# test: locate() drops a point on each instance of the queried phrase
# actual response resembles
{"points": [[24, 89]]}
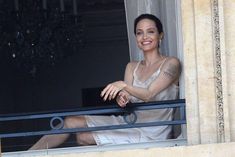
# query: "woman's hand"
{"points": [[111, 90], [123, 98]]}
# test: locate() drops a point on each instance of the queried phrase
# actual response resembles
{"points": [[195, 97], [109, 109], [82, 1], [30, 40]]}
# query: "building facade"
{"points": [[209, 83]]}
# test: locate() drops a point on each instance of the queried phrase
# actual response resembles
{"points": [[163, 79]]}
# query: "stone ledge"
{"points": [[95, 149]]}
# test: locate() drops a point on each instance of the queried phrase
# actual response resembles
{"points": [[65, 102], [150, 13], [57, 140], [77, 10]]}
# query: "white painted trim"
{"points": [[85, 149]]}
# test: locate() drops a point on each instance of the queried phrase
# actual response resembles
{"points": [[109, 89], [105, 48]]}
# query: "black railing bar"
{"points": [[180, 101], [111, 127], [152, 106], [49, 115], [92, 111], [182, 113]]}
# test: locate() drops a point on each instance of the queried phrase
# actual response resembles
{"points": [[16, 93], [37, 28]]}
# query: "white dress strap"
{"points": [[162, 63], [136, 67]]}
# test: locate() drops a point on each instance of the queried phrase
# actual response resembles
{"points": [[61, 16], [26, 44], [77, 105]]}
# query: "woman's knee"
{"points": [[74, 122], [85, 139]]}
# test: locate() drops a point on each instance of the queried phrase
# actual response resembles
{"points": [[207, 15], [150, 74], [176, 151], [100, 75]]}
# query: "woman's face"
{"points": [[147, 35]]}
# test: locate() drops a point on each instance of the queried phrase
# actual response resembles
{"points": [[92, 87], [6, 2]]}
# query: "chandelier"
{"points": [[37, 34]]}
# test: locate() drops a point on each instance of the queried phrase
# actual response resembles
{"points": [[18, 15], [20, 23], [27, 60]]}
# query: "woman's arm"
{"points": [[169, 74], [111, 90]]}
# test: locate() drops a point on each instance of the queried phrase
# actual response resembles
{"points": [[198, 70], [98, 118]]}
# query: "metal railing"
{"points": [[112, 109], [56, 117]]}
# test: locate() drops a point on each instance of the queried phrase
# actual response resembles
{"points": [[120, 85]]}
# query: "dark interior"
{"points": [[57, 57]]}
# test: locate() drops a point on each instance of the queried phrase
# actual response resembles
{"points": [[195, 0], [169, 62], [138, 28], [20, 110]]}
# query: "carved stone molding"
{"points": [[218, 71]]}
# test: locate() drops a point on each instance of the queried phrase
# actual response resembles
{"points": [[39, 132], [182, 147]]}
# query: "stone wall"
{"points": [[229, 21], [209, 69]]}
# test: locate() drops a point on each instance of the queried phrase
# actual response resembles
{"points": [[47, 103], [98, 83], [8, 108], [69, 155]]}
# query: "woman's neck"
{"points": [[153, 57]]}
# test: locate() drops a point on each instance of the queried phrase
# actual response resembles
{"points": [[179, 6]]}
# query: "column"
{"points": [[209, 69]]}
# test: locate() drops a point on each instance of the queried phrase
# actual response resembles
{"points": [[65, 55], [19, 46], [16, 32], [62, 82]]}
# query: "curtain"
{"points": [[166, 11], [133, 9]]}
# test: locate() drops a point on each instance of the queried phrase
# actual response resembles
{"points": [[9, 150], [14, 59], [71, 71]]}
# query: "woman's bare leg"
{"points": [[85, 139], [50, 141]]}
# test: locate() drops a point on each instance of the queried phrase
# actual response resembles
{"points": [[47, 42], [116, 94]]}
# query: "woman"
{"points": [[153, 79]]}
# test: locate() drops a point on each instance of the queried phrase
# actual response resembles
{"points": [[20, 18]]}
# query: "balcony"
{"points": [[112, 109]]}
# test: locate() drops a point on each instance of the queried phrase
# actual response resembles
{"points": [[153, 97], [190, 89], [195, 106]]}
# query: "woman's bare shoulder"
{"points": [[172, 61], [131, 65], [172, 67]]}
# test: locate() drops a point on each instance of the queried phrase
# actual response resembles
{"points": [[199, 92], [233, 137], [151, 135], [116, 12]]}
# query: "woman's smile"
{"points": [[146, 43]]}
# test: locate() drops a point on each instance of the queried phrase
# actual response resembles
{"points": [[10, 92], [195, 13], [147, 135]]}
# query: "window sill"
{"points": [[85, 149]]}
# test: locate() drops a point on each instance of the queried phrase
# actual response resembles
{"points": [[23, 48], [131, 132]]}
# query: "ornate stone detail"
{"points": [[218, 72]]}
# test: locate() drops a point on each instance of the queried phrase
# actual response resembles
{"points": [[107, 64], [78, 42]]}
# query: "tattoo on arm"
{"points": [[171, 71]]}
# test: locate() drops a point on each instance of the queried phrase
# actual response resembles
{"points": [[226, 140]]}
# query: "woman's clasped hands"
{"points": [[116, 89]]}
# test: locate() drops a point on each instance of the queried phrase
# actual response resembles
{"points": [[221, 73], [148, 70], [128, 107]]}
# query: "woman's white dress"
{"points": [[136, 135]]}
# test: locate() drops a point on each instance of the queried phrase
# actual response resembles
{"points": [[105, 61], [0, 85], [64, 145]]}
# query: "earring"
{"points": [[159, 43]]}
